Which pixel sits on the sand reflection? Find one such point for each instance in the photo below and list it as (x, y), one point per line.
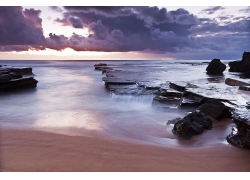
(85, 119)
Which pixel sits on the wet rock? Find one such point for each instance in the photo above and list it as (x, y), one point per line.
(215, 67)
(11, 78)
(192, 124)
(169, 92)
(240, 135)
(234, 82)
(21, 70)
(241, 66)
(214, 91)
(245, 75)
(129, 90)
(173, 121)
(18, 83)
(179, 86)
(244, 88)
(4, 78)
(191, 99)
(215, 109)
(118, 81)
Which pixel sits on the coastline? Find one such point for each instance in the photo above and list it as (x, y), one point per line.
(33, 150)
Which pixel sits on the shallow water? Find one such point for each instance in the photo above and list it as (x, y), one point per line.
(71, 97)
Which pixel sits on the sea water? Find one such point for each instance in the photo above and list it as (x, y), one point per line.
(71, 98)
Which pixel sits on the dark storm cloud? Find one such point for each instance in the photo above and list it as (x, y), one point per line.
(76, 22)
(123, 29)
(212, 10)
(20, 27)
(19, 48)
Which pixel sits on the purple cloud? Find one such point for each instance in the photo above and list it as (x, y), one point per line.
(20, 27)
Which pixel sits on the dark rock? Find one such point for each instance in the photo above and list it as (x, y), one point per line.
(15, 75)
(215, 109)
(21, 70)
(100, 64)
(168, 92)
(192, 124)
(179, 86)
(19, 83)
(118, 81)
(245, 75)
(173, 121)
(215, 67)
(189, 98)
(241, 66)
(234, 82)
(240, 135)
(244, 88)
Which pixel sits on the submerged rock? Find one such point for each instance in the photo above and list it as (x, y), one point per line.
(240, 136)
(234, 82)
(241, 66)
(215, 67)
(215, 109)
(192, 124)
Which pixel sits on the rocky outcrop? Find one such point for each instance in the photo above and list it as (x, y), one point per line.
(12, 78)
(192, 124)
(241, 66)
(215, 67)
(240, 135)
(215, 109)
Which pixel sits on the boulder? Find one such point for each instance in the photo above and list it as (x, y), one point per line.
(215, 109)
(241, 66)
(240, 135)
(215, 67)
(192, 124)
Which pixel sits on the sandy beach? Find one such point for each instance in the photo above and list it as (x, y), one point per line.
(31, 150)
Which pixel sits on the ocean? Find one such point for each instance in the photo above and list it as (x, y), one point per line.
(71, 98)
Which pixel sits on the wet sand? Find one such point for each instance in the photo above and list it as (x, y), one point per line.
(30, 150)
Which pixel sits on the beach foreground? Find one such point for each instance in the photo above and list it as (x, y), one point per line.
(30, 150)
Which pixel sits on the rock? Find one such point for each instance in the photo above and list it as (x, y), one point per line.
(18, 83)
(11, 78)
(245, 75)
(173, 121)
(169, 92)
(215, 109)
(241, 66)
(240, 135)
(244, 88)
(192, 124)
(179, 86)
(21, 70)
(191, 99)
(234, 82)
(215, 67)
(210, 91)
(118, 81)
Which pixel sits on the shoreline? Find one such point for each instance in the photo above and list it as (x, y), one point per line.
(35, 150)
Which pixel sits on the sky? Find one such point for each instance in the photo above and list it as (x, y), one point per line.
(147, 32)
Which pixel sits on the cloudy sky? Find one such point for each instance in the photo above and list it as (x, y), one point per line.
(124, 32)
